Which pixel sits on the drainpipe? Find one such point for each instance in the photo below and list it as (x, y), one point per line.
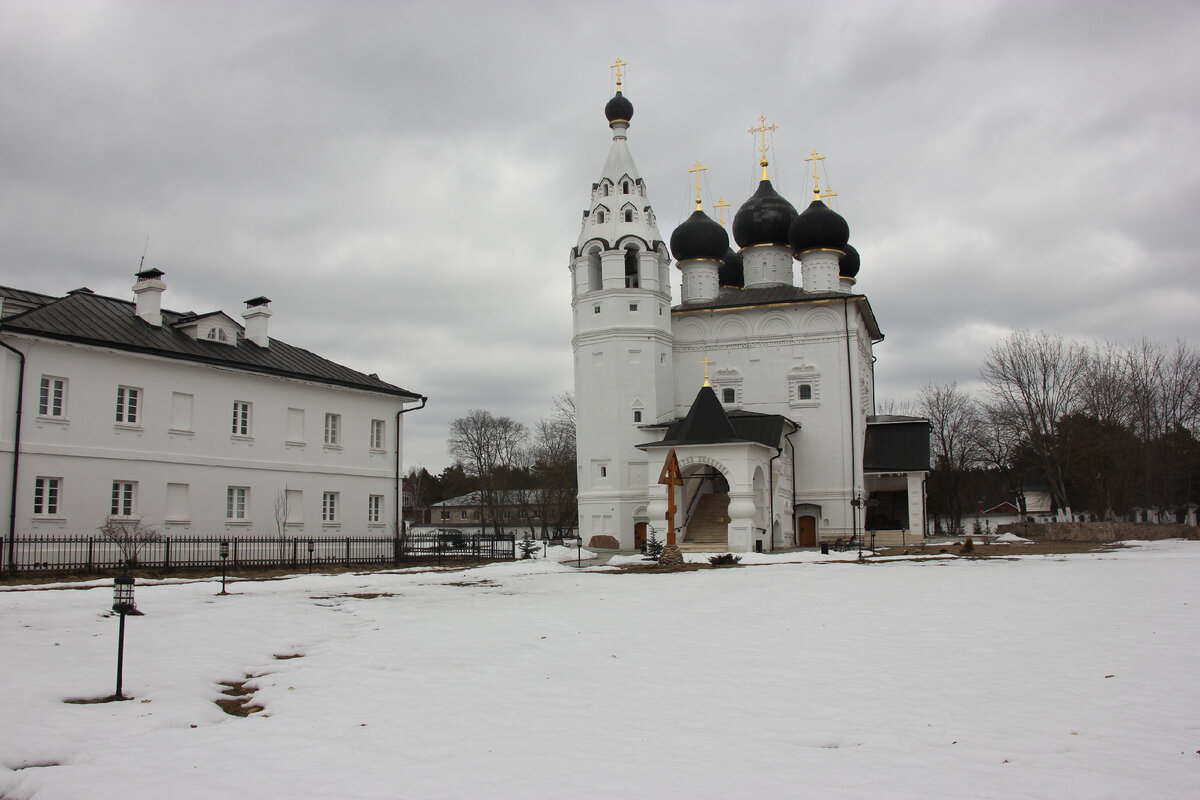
(16, 459)
(396, 483)
(793, 520)
(771, 498)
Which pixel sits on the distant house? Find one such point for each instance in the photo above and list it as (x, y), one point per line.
(519, 512)
(114, 409)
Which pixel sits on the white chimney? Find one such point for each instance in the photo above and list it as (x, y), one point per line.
(147, 294)
(256, 315)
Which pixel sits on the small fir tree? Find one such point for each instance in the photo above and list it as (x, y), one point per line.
(654, 547)
(528, 546)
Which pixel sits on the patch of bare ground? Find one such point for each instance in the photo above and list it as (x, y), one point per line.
(238, 699)
(34, 578)
(285, 657)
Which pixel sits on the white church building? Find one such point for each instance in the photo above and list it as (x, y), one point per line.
(191, 423)
(760, 380)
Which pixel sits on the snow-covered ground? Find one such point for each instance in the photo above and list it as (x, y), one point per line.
(1039, 676)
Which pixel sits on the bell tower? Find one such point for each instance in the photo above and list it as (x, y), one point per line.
(621, 303)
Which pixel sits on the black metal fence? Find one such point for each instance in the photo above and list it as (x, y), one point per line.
(76, 553)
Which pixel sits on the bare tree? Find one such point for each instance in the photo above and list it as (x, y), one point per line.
(554, 470)
(955, 436)
(130, 536)
(282, 502)
(1033, 381)
(489, 448)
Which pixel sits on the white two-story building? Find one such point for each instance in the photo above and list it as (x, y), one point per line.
(189, 423)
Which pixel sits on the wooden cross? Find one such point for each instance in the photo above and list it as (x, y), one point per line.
(698, 169)
(816, 178)
(720, 208)
(762, 131)
(672, 477)
(617, 66)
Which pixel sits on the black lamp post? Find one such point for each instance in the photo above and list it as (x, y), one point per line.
(122, 605)
(311, 546)
(224, 556)
(579, 551)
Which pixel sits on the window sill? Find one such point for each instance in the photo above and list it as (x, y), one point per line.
(180, 432)
(337, 448)
(331, 524)
(47, 518)
(300, 445)
(378, 451)
(237, 437)
(177, 522)
(53, 420)
(375, 524)
(241, 523)
(128, 426)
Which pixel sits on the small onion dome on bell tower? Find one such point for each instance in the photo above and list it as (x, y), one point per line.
(619, 109)
(764, 218)
(818, 228)
(732, 272)
(699, 236)
(848, 267)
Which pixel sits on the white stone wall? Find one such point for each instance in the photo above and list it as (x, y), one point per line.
(88, 450)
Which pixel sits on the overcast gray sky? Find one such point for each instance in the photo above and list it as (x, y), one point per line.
(405, 180)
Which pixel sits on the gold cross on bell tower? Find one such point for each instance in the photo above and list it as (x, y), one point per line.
(720, 207)
(762, 130)
(706, 362)
(814, 158)
(617, 66)
(698, 169)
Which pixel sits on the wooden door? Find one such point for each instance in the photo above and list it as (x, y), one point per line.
(639, 535)
(806, 531)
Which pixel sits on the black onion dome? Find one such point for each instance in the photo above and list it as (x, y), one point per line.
(699, 236)
(849, 263)
(764, 218)
(619, 108)
(731, 272)
(819, 227)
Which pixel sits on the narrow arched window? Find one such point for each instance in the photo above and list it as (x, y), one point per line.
(727, 395)
(595, 276)
(629, 215)
(625, 187)
(599, 217)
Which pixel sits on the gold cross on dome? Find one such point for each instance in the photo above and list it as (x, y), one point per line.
(827, 194)
(617, 66)
(698, 169)
(816, 178)
(762, 130)
(706, 362)
(720, 209)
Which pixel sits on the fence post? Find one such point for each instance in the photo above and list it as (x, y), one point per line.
(235, 549)
(295, 551)
(167, 553)
(396, 550)
(91, 543)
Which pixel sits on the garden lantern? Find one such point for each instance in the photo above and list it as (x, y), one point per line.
(122, 605)
(311, 546)
(224, 555)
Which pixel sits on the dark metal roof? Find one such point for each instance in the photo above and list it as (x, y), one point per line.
(107, 322)
(708, 423)
(17, 301)
(896, 444)
(731, 298)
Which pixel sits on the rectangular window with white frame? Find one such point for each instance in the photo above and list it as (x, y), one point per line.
(124, 499)
(378, 433)
(329, 507)
(52, 397)
(47, 493)
(237, 503)
(129, 405)
(241, 418)
(374, 509)
(333, 430)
